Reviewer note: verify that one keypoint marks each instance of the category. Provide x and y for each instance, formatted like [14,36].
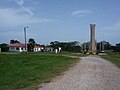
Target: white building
[17,47]
[59,49]
[49,49]
[38,48]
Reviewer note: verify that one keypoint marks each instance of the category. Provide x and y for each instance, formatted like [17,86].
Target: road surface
[90,73]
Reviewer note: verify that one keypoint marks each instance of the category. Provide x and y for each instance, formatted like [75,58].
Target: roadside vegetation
[28,70]
[113,57]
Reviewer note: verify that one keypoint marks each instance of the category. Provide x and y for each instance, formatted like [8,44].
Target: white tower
[92,39]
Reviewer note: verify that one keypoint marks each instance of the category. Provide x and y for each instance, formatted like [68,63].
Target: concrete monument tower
[92,39]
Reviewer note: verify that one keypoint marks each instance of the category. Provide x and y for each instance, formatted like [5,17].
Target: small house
[38,48]
[49,49]
[17,47]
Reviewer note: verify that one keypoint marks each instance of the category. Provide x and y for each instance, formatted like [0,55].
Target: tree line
[74,46]
[67,46]
[30,45]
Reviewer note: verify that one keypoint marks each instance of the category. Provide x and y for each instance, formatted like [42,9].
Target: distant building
[103,46]
[17,47]
[85,46]
[49,49]
[38,48]
[59,49]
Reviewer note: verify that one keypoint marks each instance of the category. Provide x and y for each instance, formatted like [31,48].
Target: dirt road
[91,73]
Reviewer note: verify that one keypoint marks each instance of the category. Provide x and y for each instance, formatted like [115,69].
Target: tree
[14,41]
[117,47]
[31,44]
[75,43]
[66,46]
[4,47]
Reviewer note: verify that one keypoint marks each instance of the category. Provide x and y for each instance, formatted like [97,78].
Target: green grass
[113,57]
[21,71]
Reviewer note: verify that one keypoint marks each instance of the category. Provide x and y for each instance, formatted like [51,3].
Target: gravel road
[90,73]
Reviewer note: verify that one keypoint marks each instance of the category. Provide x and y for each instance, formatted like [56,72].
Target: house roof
[21,45]
[38,47]
[16,45]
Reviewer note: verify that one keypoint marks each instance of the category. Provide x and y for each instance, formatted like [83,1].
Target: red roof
[17,45]
[38,47]
[21,45]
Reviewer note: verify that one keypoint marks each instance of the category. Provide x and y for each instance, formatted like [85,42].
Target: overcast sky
[61,20]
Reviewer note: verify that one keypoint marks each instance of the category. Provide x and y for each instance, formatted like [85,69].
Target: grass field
[114,58]
[28,70]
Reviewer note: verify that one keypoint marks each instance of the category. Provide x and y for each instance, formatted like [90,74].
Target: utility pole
[85,46]
[100,49]
[25,37]
[103,46]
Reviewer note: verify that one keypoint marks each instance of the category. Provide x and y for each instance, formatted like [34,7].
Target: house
[49,49]
[17,47]
[59,49]
[38,48]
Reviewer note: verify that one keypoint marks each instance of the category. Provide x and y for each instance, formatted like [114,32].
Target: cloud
[112,32]
[10,17]
[114,27]
[20,3]
[81,13]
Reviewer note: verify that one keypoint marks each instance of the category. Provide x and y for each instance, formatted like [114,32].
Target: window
[17,48]
[22,48]
[12,48]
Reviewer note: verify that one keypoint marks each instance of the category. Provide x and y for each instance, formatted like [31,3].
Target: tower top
[92,24]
